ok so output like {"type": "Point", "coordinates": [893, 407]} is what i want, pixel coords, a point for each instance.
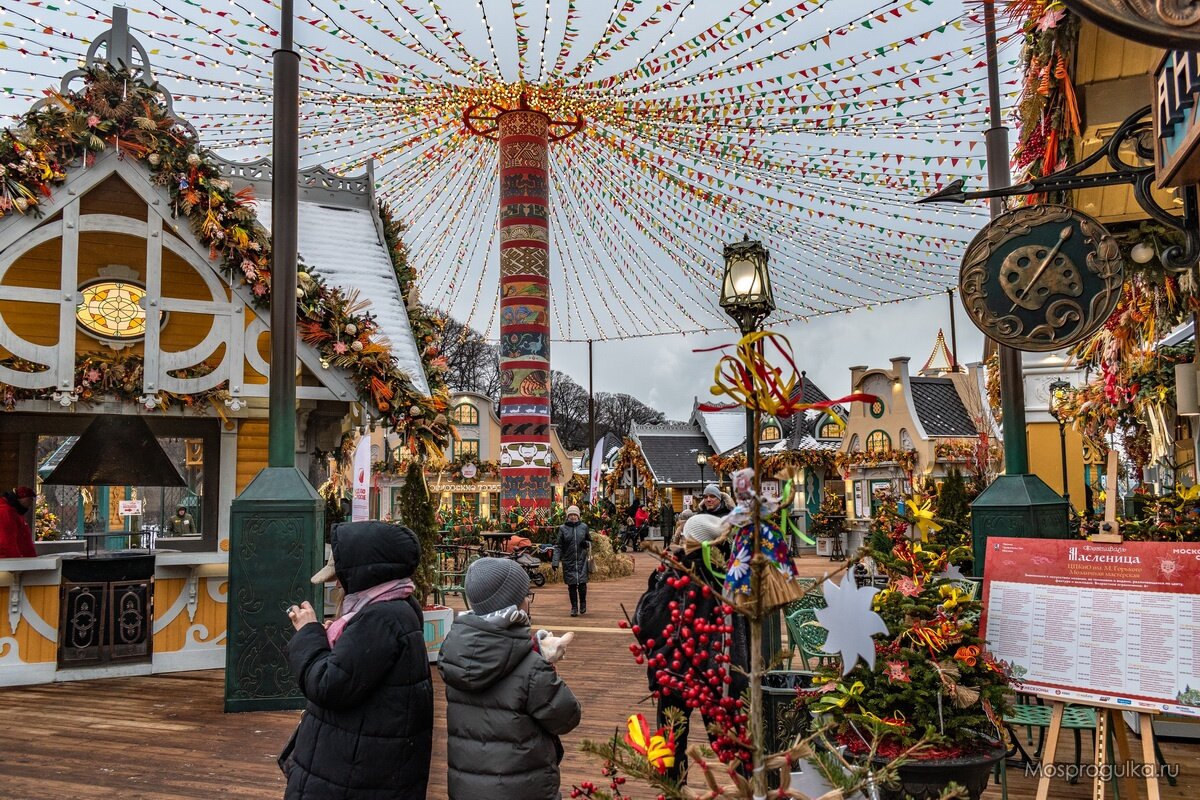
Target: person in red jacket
{"type": "Point", "coordinates": [16, 540]}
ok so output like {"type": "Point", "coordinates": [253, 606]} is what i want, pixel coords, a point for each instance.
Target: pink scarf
{"type": "Point", "coordinates": [391, 590]}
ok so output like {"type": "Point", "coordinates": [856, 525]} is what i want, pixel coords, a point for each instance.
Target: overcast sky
{"type": "Point", "coordinates": [665, 373]}
{"type": "Point", "coordinates": [222, 56]}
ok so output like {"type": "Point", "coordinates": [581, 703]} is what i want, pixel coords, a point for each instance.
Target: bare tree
{"type": "Point", "coordinates": [569, 410]}
{"type": "Point", "coordinates": [618, 413]}
{"type": "Point", "coordinates": [474, 362]}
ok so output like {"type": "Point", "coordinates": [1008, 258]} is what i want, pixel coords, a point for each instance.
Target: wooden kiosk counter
{"type": "Point", "coordinates": [124, 296]}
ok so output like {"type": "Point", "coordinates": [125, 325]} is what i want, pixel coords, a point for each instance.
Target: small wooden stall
{"type": "Point", "coordinates": [132, 286]}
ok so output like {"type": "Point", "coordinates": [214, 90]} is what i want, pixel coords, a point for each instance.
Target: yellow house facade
{"type": "Point", "coordinates": [112, 306]}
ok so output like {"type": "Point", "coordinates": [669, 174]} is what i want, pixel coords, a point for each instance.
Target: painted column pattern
{"type": "Point", "coordinates": [524, 311]}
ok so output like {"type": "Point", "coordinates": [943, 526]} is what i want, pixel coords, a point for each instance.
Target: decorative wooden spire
{"type": "Point", "coordinates": [941, 359]}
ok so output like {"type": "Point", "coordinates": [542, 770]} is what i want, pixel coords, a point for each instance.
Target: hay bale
{"type": "Point", "coordinates": [609, 564]}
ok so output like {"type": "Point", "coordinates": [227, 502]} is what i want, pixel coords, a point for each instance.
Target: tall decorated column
{"type": "Point", "coordinates": [524, 309]}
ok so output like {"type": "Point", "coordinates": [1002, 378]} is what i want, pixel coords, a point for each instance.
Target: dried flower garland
{"type": "Point", "coordinates": [905, 459]}
{"type": "Point", "coordinates": [115, 110]}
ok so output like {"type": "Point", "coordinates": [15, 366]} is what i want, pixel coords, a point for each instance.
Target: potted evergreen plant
{"type": "Point", "coordinates": [933, 678]}
{"type": "Point", "coordinates": [828, 523]}
{"type": "Point", "coordinates": [417, 512]}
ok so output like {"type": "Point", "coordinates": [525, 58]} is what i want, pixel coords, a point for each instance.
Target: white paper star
{"type": "Point", "coordinates": [850, 621]}
{"type": "Point", "coordinates": [951, 573]}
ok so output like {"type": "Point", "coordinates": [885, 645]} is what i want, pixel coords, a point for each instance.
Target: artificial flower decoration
{"type": "Point", "coordinates": [850, 621]}
{"type": "Point", "coordinates": [657, 747]}
{"type": "Point", "coordinates": [897, 672]}
{"type": "Point", "coordinates": [968, 655]}
{"type": "Point", "coordinates": [923, 518]}
{"type": "Point", "coordinates": [1191, 494]}
{"type": "Point", "coordinates": [951, 596]}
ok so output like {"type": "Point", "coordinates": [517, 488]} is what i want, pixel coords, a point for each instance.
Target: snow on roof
{"type": "Point", "coordinates": [343, 246]}
{"type": "Point", "coordinates": [726, 429]}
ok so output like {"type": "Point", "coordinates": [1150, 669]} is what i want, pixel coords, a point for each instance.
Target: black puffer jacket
{"type": "Point", "coordinates": [652, 615]}
{"type": "Point", "coordinates": [572, 549]}
{"type": "Point", "coordinates": [368, 729]}
{"type": "Point", "coordinates": [505, 709]}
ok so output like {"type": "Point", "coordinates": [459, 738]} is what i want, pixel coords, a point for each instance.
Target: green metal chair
{"type": "Point", "coordinates": [808, 637]}
{"type": "Point", "coordinates": [451, 572]}
{"type": "Point", "coordinates": [811, 600]}
{"type": "Point", "coordinates": [1030, 715]}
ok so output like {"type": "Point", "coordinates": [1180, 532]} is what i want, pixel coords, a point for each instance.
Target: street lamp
{"type": "Point", "coordinates": [746, 297]}
{"type": "Point", "coordinates": [701, 462]}
{"type": "Point", "coordinates": [1058, 401]}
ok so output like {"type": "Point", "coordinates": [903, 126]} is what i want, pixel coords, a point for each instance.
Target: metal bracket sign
{"type": "Point", "coordinates": [1137, 130]}
{"type": "Point", "coordinates": [1176, 132]}
{"type": "Point", "coordinates": [1159, 23]}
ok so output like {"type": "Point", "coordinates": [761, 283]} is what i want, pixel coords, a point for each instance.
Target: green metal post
{"type": "Point", "coordinates": [1017, 503]}
{"type": "Point", "coordinates": [277, 523]}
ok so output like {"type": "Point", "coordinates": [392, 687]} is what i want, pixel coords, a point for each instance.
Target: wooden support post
{"type": "Point", "coordinates": [1051, 748]}
{"type": "Point", "coordinates": [1110, 529]}
{"type": "Point", "coordinates": [1108, 717]}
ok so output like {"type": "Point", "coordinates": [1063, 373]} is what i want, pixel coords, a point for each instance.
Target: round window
{"type": "Point", "coordinates": [111, 309]}
{"type": "Point", "coordinates": [877, 408]}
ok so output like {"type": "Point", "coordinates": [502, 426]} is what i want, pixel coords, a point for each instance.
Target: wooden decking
{"type": "Point", "coordinates": [165, 737]}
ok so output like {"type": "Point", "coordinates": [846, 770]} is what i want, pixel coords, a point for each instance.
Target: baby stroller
{"type": "Point", "coordinates": [524, 556]}
{"type": "Point", "coordinates": [632, 537]}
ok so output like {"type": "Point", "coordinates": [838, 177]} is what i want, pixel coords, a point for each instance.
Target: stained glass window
{"type": "Point", "coordinates": [110, 309]}
{"type": "Point", "coordinates": [465, 414]}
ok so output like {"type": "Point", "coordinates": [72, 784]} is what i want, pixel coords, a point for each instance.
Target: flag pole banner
{"type": "Point", "coordinates": [360, 501]}
{"type": "Point", "coordinates": [597, 465]}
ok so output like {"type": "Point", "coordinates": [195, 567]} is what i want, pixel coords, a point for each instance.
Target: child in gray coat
{"type": "Point", "coordinates": [505, 704]}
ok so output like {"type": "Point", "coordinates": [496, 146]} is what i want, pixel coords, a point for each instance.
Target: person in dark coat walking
{"type": "Point", "coordinates": [573, 549]}
{"type": "Point", "coordinates": [367, 732]}
{"type": "Point", "coordinates": [16, 540]}
{"type": "Point", "coordinates": [505, 704]}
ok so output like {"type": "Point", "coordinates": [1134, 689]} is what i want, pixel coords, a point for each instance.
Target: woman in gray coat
{"type": "Point", "coordinates": [505, 704]}
{"type": "Point", "coordinates": [573, 550]}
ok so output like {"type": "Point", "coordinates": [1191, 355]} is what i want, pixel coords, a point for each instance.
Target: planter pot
{"type": "Point", "coordinates": [824, 545]}
{"type": "Point", "coordinates": [924, 779]}
{"type": "Point", "coordinates": [438, 620]}
{"type": "Point", "coordinates": [783, 722]}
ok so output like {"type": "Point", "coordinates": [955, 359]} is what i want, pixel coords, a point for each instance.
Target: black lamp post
{"type": "Point", "coordinates": [1058, 399]}
{"type": "Point", "coordinates": [701, 462]}
{"type": "Point", "coordinates": [746, 297]}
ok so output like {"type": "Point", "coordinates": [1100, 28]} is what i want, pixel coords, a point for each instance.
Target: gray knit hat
{"type": "Point", "coordinates": [495, 583]}
{"type": "Point", "coordinates": [712, 491]}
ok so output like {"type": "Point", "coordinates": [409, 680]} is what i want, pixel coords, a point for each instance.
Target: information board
{"type": "Point", "coordinates": [1109, 623]}
{"type": "Point", "coordinates": [129, 508]}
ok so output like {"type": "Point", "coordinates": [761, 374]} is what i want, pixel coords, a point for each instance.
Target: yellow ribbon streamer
{"type": "Point", "coordinates": [923, 518]}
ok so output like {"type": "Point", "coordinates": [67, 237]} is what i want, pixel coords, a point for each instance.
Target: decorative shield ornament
{"type": "Point", "coordinates": [1158, 23]}
{"type": "Point", "coordinates": [1041, 278]}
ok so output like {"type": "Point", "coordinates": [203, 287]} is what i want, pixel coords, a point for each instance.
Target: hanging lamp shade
{"type": "Point", "coordinates": [116, 450]}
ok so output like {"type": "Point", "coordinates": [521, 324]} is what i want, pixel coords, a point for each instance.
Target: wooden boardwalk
{"type": "Point", "coordinates": [165, 737]}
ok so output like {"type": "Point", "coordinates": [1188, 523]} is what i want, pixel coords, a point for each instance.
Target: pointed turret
{"type": "Point", "coordinates": [941, 360]}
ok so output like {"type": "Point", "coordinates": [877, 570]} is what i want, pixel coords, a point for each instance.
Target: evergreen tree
{"type": "Point", "coordinates": [953, 510]}
{"type": "Point", "coordinates": [416, 511]}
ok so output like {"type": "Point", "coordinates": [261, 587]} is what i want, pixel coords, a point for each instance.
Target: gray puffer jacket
{"type": "Point", "coordinates": [505, 709]}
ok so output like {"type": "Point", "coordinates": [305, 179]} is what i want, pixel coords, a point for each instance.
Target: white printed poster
{"type": "Point", "coordinates": [360, 500]}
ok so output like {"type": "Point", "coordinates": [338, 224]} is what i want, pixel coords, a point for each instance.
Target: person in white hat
{"type": "Point", "coordinates": [573, 550]}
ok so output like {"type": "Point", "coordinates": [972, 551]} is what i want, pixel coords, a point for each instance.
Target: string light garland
{"type": "Point", "coordinates": [812, 125]}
